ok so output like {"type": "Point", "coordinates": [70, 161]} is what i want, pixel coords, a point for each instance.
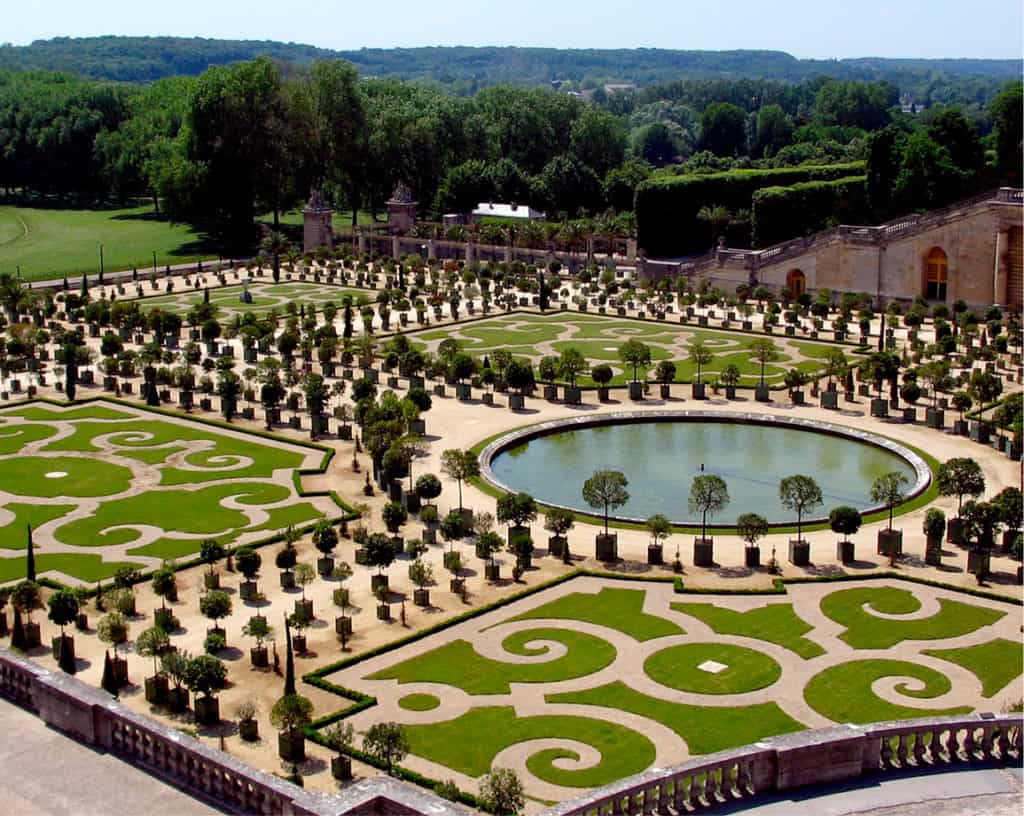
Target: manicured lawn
{"type": "Point", "coordinates": [89, 568]}
{"type": "Point", "coordinates": [774, 623]}
{"type": "Point", "coordinates": [678, 667]}
{"type": "Point", "coordinates": [706, 729]}
{"type": "Point", "coordinates": [47, 477]}
{"type": "Point", "coordinates": [185, 501]}
{"type": "Point", "coordinates": [266, 298]}
{"type": "Point", "coordinates": [994, 663]}
{"type": "Point", "coordinates": [458, 664]}
{"type": "Point", "coordinates": [843, 692]}
{"type": "Point", "coordinates": [49, 243]}
{"type": "Point", "coordinates": [598, 338]}
{"type": "Point", "coordinates": [14, 535]}
{"type": "Point", "coordinates": [469, 743]}
{"type": "Point", "coordinates": [419, 702]}
{"type": "Point", "coordinates": [619, 609]}
{"type": "Point", "coordinates": [867, 631]}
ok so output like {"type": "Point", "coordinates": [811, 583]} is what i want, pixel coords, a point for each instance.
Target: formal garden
{"type": "Point", "coordinates": [263, 299]}
{"type": "Point", "coordinates": [105, 486]}
{"type": "Point", "coordinates": [592, 680]}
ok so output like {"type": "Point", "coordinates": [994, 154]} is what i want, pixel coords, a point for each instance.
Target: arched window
{"type": "Point", "coordinates": [796, 283]}
{"type": "Point", "coordinates": [936, 273]}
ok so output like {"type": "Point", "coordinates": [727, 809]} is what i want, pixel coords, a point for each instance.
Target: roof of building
{"type": "Point", "coordinates": [497, 210]}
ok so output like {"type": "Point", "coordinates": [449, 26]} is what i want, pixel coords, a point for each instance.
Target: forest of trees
{"type": "Point", "coordinates": [465, 70]}
{"type": "Point", "coordinates": [254, 136]}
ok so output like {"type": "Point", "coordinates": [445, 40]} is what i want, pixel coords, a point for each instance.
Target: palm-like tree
{"type": "Point", "coordinates": [275, 244]}
{"type": "Point", "coordinates": [716, 217]}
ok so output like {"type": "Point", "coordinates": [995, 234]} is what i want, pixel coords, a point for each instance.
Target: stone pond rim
{"type": "Point", "coordinates": [517, 437]}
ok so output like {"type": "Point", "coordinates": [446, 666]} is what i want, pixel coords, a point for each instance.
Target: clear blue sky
{"type": "Point", "coordinates": [804, 28]}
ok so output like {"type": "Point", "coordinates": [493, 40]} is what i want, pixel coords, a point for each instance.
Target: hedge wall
{"type": "Point", "coordinates": [782, 213]}
{"type": "Point", "coordinates": [666, 206]}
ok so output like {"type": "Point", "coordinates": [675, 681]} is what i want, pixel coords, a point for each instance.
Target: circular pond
{"type": "Point", "coordinates": [661, 452]}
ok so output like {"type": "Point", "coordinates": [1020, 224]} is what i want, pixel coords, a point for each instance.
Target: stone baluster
{"type": "Point", "coordinates": [952, 744]}
{"type": "Point", "coordinates": [919, 747]}
{"type": "Point", "coordinates": [680, 793]}
{"type": "Point", "coordinates": [969, 744]}
{"type": "Point", "coordinates": [744, 779]}
{"type": "Point", "coordinates": [901, 750]}
{"type": "Point", "coordinates": [886, 752]}
{"type": "Point", "coordinates": [710, 785]}
{"type": "Point", "coordinates": [1003, 742]}
{"type": "Point", "coordinates": [986, 742]}
{"type": "Point", "coordinates": [663, 800]}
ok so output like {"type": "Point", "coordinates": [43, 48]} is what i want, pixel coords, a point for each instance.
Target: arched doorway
{"type": "Point", "coordinates": [796, 283]}
{"type": "Point", "coordinates": [936, 274]}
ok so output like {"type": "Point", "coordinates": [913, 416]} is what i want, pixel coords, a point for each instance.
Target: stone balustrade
{"type": "Point", "coordinates": [805, 758]}
{"type": "Point", "coordinates": [781, 763]}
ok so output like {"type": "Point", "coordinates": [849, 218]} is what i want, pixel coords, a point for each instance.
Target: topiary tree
{"type": "Point", "coordinates": [751, 527]}
{"type": "Point", "coordinates": [700, 355]}
{"type": "Point", "coordinates": [799, 494]}
{"type": "Point", "coordinates": [249, 562]}
{"type": "Point", "coordinates": [152, 642]}
{"type": "Point", "coordinates": [763, 350]}
{"type": "Point", "coordinates": [63, 606]}
{"type": "Point", "coordinates": [888, 491]}
{"type": "Point", "coordinates": [460, 466]}
{"type": "Point", "coordinates": [501, 792]}
{"type": "Point", "coordinates": [660, 529]}
{"type": "Point", "coordinates": [112, 629]}
{"type": "Point", "coordinates": [428, 487]}
{"type": "Point", "coordinates": [304, 576]}
{"type": "Point", "coordinates": [606, 490]}
{"type": "Point", "coordinates": [960, 477]}
{"type": "Point", "coordinates": [934, 524]}
{"type": "Point", "coordinates": [559, 521]}
{"type": "Point", "coordinates": [709, 494]}
{"type": "Point", "coordinates": [517, 509]}
{"type": "Point", "coordinates": [211, 551]}
{"type": "Point", "coordinates": [291, 713]}
{"type": "Point", "coordinates": [215, 604]}
{"type": "Point", "coordinates": [380, 552]}
{"type": "Point", "coordinates": [204, 674]}
{"type": "Point", "coordinates": [453, 527]}
{"type": "Point", "coordinates": [1011, 508]}
{"type": "Point", "coordinates": [325, 537]}
{"type": "Point", "coordinates": [25, 598]}
{"type": "Point", "coordinates": [387, 743]}
{"type": "Point", "coordinates": [602, 374]}
{"type": "Point", "coordinates": [636, 354]}
{"type": "Point", "coordinates": [394, 516]}
{"type": "Point", "coordinates": [845, 520]}
{"type": "Point", "coordinates": [165, 584]}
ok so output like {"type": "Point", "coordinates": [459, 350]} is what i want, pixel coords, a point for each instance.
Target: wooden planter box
{"type": "Point", "coordinates": [325, 565]}
{"type": "Point", "coordinates": [636, 391]}
{"type": "Point", "coordinates": [341, 768]}
{"type": "Point", "coordinates": [492, 572]}
{"type": "Point", "coordinates": [207, 711]}
{"type": "Point", "coordinates": [343, 626]}
{"type": "Point", "coordinates": [249, 730]}
{"type": "Point", "coordinates": [752, 556]}
{"type": "Point", "coordinates": [699, 391]}
{"type": "Point", "coordinates": [978, 562]}
{"type": "Point", "coordinates": [516, 402]}
{"type": "Point", "coordinates": [291, 747]}
{"type": "Point", "coordinates": [844, 551]}
{"type": "Point", "coordinates": [762, 393]}
{"type": "Point", "coordinates": [703, 552]}
{"type": "Point", "coordinates": [156, 689]}
{"type": "Point", "coordinates": [457, 586]}
{"type": "Point", "coordinates": [56, 645]}
{"type": "Point", "coordinates": [955, 531]}
{"type": "Point", "coordinates": [120, 667]}
{"type": "Point", "coordinates": [830, 400]}
{"type": "Point", "coordinates": [421, 597]}
{"type": "Point", "coordinates": [177, 700]}
{"type": "Point", "coordinates": [655, 554]}
{"type": "Point", "coordinates": [557, 545]}
{"type": "Point", "coordinates": [304, 607]}
{"type": "Point", "coordinates": [933, 555]}
{"type": "Point", "coordinates": [384, 612]}
{"type": "Point", "coordinates": [378, 582]}
{"type": "Point", "coordinates": [606, 547]}
{"type": "Point", "coordinates": [299, 642]}
{"type": "Point", "coordinates": [247, 590]}
{"type": "Point", "coordinates": [32, 638]}
{"type": "Point", "coordinates": [799, 552]}
{"type": "Point", "coordinates": [889, 542]}
{"type": "Point", "coordinates": [879, 407]}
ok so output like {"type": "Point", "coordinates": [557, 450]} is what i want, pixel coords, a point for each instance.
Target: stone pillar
{"type": "Point", "coordinates": [317, 230]}
{"type": "Point", "coordinates": [508, 253]}
{"type": "Point", "coordinates": [362, 243]}
{"type": "Point", "coordinates": [470, 252]}
{"type": "Point", "coordinates": [431, 249]}
{"type": "Point", "coordinates": [396, 247]}
{"type": "Point", "coordinates": [630, 249]}
{"type": "Point", "coordinates": [998, 276]}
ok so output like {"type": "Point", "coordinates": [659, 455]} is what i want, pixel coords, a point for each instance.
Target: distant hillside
{"type": "Point", "coordinates": [464, 69]}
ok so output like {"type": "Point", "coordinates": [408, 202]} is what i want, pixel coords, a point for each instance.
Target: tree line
{"type": "Point", "coordinates": [252, 137]}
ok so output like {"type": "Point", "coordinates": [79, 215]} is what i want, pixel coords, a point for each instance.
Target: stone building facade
{"type": "Point", "coordinates": [971, 251]}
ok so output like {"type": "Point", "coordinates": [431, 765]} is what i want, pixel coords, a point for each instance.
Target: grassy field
{"type": "Point", "coordinates": [49, 243]}
{"type": "Point", "coordinates": [774, 623]}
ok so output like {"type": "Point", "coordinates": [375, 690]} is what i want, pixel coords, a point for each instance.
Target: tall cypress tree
{"type": "Point", "coordinates": [289, 661]}
{"type": "Point", "coordinates": [18, 641]}
{"type": "Point", "coordinates": [109, 682]}
{"type": "Point", "coordinates": [30, 558]}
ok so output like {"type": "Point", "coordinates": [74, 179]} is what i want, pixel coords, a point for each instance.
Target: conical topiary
{"type": "Point", "coordinates": [18, 641]}
{"type": "Point", "coordinates": [30, 558]}
{"type": "Point", "coordinates": [66, 656]}
{"type": "Point", "coordinates": [289, 661]}
{"type": "Point", "coordinates": [109, 682]}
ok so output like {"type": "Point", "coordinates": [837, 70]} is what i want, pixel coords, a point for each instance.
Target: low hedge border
{"type": "Point", "coordinates": [328, 454]}
{"type": "Point", "coordinates": [362, 702]}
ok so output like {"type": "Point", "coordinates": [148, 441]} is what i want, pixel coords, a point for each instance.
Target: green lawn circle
{"type": "Point", "coordinates": [747, 669]}
{"type": "Point", "coordinates": [419, 702]}
{"type": "Point", "coordinates": [27, 476]}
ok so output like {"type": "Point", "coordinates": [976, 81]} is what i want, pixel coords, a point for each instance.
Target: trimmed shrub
{"type": "Point", "coordinates": [782, 213]}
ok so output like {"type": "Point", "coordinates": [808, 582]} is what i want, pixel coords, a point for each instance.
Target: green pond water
{"type": "Point", "coordinates": [660, 460]}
